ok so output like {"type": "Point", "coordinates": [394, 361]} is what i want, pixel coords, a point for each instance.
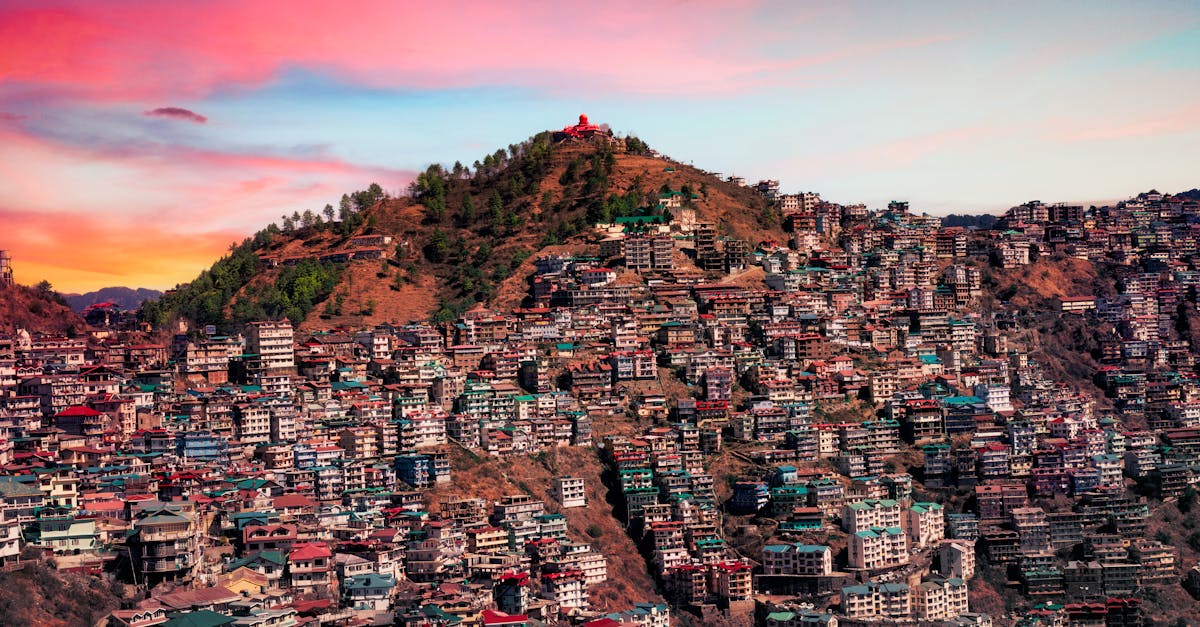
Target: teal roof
{"type": "Point", "coordinates": [199, 618]}
{"type": "Point", "coordinates": [369, 580]}
{"type": "Point", "coordinates": [275, 557]}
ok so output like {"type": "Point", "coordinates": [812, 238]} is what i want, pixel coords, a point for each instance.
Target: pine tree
{"type": "Point", "coordinates": [466, 214]}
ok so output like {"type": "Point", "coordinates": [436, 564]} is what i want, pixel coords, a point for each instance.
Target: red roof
{"type": "Point", "coordinates": [309, 552]}
{"type": "Point", "coordinates": [293, 500]}
{"type": "Point", "coordinates": [495, 617]}
{"type": "Point", "coordinates": [78, 410]}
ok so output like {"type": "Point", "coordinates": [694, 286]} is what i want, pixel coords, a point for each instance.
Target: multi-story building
{"type": "Point", "coordinates": [877, 548]}
{"type": "Point", "coordinates": [271, 346]}
{"type": "Point", "coordinates": [570, 491]}
{"type": "Point", "coordinates": [797, 559]}
{"type": "Point", "coordinates": [925, 524]}
{"type": "Point", "coordinates": [163, 545]}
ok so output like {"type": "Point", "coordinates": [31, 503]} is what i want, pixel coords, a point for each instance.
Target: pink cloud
{"type": "Point", "coordinates": [177, 113]}
{"type": "Point", "coordinates": [894, 154]}
{"type": "Point", "coordinates": [1181, 120]}
{"type": "Point", "coordinates": [123, 217]}
{"type": "Point", "coordinates": [129, 51]}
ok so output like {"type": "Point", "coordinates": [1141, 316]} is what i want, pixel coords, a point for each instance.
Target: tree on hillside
{"type": "Point", "coordinates": [328, 211]}
{"type": "Point", "coordinates": [438, 247]}
{"type": "Point", "coordinates": [466, 214]}
{"type": "Point", "coordinates": [635, 145]}
{"type": "Point", "coordinates": [496, 211]}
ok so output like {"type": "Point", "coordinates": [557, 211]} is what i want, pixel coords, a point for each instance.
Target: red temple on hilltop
{"type": "Point", "coordinates": [583, 130]}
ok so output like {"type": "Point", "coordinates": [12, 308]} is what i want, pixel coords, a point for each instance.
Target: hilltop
{"type": "Point", "coordinates": [461, 237]}
{"type": "Point", "coordinates": [37, 309]}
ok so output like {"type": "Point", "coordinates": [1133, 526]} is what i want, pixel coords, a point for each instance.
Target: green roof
{"type": "Point", "coordinates": [199, 618]}
{"type": "Point", "coordinates": [14, 487]}
{"type": "Point", "coordinates": [275, 557]}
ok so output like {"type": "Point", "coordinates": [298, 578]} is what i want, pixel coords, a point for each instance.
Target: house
{"type": "Point", "coordinates": [310, 568]}
{"type": "Point", "coordinates": [368, 591]}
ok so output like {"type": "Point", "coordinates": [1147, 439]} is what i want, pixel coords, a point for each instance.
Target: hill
{"type": "Point", "coordinates": [37, 594]}
{"type": "Point", "coordinates": [1191, 194]}
{"type": "Point", "coordinates": [462, 236]}
{"type": "Point", "coordinates": [126, 298]}
{"type": "Point", "coordinates": [37, 309]}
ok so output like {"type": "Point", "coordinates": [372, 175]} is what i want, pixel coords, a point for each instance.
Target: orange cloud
{"type": "Point", "coordinates": [85, 217]}
{"type": "Point", "coordinates": [82, 252]}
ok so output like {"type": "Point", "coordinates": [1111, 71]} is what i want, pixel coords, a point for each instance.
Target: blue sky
{"type": "Point", "coordinates": [956, 107]}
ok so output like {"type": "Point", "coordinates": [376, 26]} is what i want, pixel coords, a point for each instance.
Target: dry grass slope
{"type": "Point", "coordinates": [27, 308]}
{"type": "Point", "coordinates": [491, 478]}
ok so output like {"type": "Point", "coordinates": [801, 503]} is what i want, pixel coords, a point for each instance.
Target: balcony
{"type": "Point", "coordinates": [159, 550]}
{"type": "Point", "coordinates": [151, 534]}
{"type": "Point", "coordinates": [161, 566]}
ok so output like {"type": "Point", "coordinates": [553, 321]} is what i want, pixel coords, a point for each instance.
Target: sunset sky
{"type": "Point", "coordinates": [139, 139]}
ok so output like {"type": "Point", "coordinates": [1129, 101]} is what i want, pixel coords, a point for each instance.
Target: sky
{"type": "Point", "coordinates": [138, 140]}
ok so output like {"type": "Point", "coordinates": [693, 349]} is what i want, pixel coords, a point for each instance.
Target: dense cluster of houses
{"type": "Point", "coordinates": [276, 478]}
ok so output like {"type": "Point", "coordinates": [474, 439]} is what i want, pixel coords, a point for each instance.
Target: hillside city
{"type": "Point", "coordinates": [848, 416]}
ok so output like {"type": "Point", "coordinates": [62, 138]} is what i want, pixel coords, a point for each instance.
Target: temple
{"type": "Point", "coordinates": [582, 130]}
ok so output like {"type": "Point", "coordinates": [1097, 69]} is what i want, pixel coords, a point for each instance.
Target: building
{"type": "Point", "coordinates": [877, 601]}
{"type": "Point", "coordinates": [925, 524]}
{"type": "Point", "coordinates": [877, 548]}
{"type": "Point", "coordinates": [163, 544]}
{"type": "Point", "coordinates": [940, 598]}
{"type": "Point", "coordinates": [570, 491]}
{"type": "Point", "coordinates": [957, 559]}
{"type": "Point", "coordinates": [270, 347]}
{"type": "Point", "coordinates": [6, 271]}
{"type": "Point", "coordinates": [797, 559]}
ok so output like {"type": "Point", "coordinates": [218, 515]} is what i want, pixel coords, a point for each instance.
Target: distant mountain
{"type": "Point", "coordinates": [979, 221]}
{"type": "Point", "coordinates": [1191, 194]}
{"type": "Point", "coordinates": [125, 297]}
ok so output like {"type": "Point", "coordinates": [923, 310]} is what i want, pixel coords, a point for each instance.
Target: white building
{"type": "Point", "coordinates": [940, 598]}
{"type": "Point", "coordinates": [925, 524]}
{"type": "Point", "coordinates": [797, 559]}
{"type": "Point", "coordinates": [865, 514]}
{"type": "Point", "coordinates": [570, 491]}
{"type": "Point", "coordinates": [877, 548]}
{"type": "Point", "coordinates": [273, 343]}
